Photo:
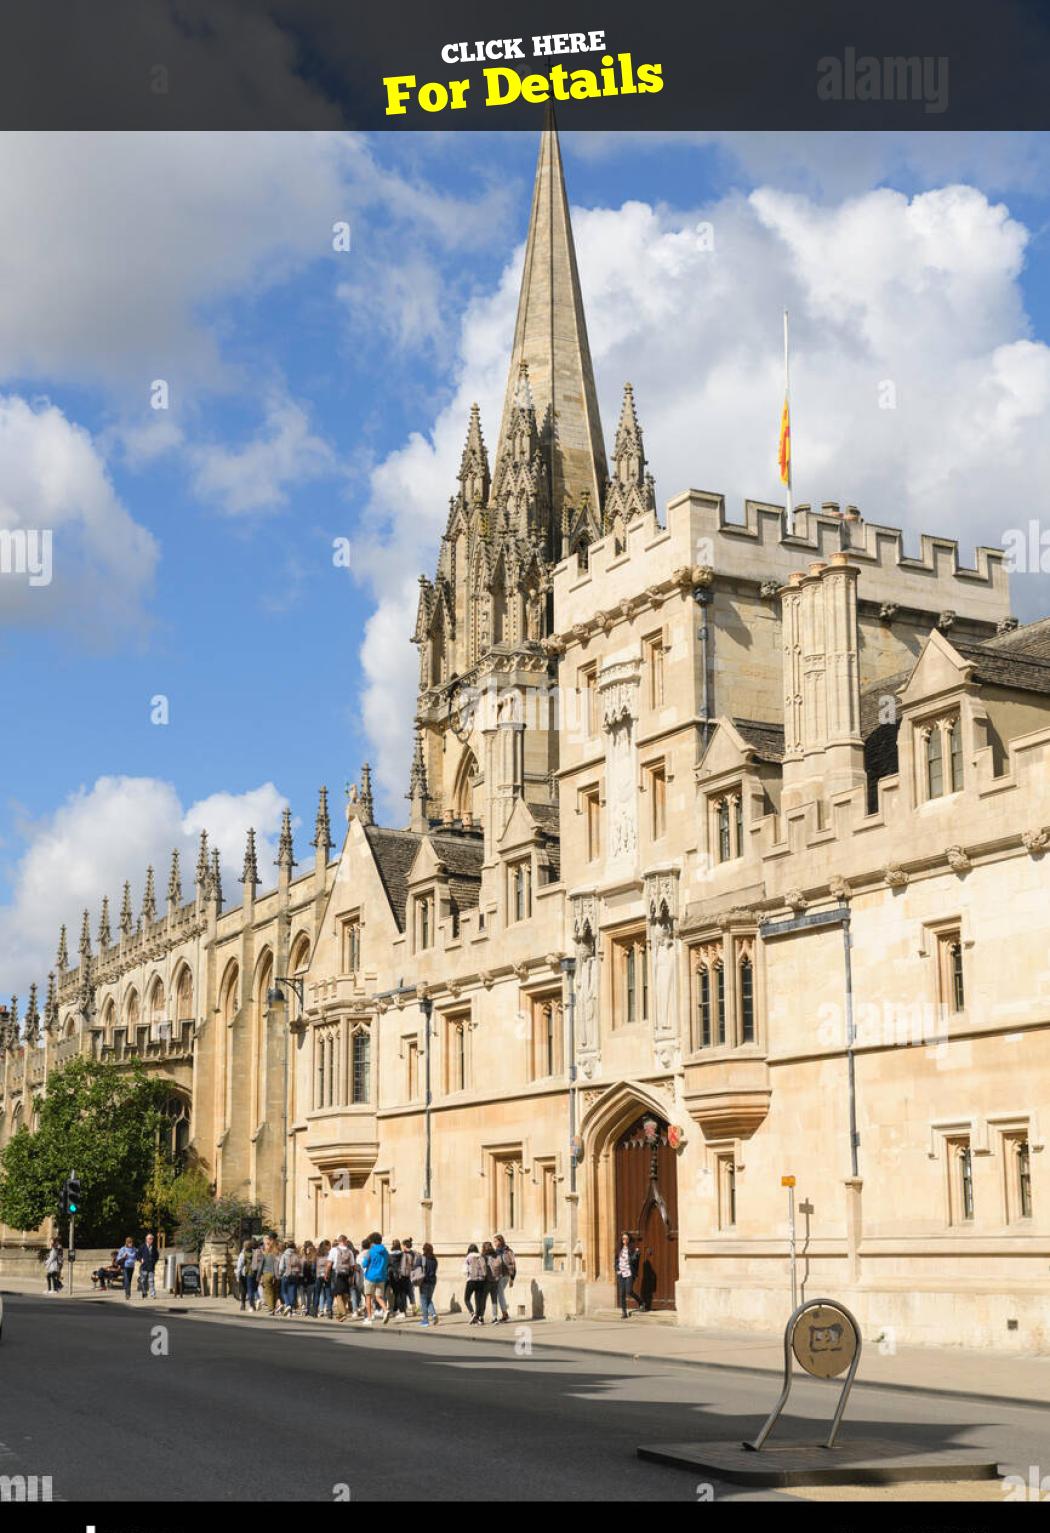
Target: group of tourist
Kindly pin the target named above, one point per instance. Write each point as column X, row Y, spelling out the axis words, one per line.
column 122, row 1264
column 335, row 1280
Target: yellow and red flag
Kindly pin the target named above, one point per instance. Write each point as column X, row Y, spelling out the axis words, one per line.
column 784, row 446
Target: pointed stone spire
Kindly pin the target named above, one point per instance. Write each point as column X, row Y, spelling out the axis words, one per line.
column 12, row 1019
column 201, row 875
column 127, row 918
column 149, row 899
column 51, row 1005
column 32, row 1023
column 62, row 959
column 285, row 849
column 366, row 813
column 322, row 828
column 418, row 791
column 105, row 937
column 550, row 334
column 215, row 881
column 628, row 454
column 474, row 478
column 85, row 937
column 250, row 874
column 174, row 881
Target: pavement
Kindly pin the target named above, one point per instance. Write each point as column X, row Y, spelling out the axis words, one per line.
column 189, row 1400
column 951, row 1371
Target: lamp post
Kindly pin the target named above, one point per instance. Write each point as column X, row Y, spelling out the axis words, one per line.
column 275, row 997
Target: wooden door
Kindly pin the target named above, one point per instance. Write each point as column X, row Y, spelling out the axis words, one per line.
column 647, row 1207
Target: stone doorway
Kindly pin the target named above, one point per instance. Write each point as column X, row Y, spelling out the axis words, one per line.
column 647, row 1207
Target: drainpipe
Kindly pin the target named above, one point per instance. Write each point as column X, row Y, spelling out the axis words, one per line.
column 568, row 968
column 426, row 1006
column 854, row 1137
column 702, row 597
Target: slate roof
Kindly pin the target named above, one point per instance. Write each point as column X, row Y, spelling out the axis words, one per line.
column 1020, row 659
column 766, row 740
column 462, row 854
column 394, row 852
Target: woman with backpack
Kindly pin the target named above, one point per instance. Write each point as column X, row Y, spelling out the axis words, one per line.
column 243, row 1273
column 397, row 1297
column 427, row 1284
column 477, row 1284
column 290, row 1272
column 493, row 1267
column 322, row 1296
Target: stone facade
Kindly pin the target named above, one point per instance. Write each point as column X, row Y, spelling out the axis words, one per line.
column 727, row 848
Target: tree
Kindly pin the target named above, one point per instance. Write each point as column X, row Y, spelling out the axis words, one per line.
column 102, row 1120
column 224, row 1217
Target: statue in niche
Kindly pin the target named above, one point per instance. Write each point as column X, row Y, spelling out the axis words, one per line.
column 664, row 974
column 586, row 988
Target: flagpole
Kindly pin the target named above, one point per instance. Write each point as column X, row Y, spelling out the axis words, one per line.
column 790, row 509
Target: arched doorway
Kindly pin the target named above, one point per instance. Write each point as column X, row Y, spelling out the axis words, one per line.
column 646, row 1180
column 621, row 1191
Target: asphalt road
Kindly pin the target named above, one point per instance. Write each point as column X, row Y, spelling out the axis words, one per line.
column 253, row 1409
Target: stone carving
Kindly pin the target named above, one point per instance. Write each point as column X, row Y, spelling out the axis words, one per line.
column 840, row 887
column 895, row 876
column 1007, row 625
column 1036, row 841
column 796, row 900
column 585, row 927
column 958, row 860
column 769, row 589
column 888, row 611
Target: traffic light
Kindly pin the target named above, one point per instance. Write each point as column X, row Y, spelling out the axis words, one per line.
column 73, row 1195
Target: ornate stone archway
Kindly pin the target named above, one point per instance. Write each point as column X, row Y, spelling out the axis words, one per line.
column 608, row 1114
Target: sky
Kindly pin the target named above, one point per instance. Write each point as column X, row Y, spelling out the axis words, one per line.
column 235, row 374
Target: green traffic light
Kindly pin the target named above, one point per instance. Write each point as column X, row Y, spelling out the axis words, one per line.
column 72, row 1208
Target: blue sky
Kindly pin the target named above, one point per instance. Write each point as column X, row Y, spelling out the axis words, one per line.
column 318, row 394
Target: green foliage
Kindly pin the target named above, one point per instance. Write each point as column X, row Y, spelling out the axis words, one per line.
column 102, row 1121
column 167, row 1190
column 201, row 1217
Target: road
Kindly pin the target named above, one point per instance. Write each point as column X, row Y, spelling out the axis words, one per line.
column 127, row 1402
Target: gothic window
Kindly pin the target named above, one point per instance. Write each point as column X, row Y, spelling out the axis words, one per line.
column 520, row 890
column 424, row 909
column 351, row 929
column 327, row 1092
column 726, row 1190
column 934, row 764
column 456, row 1052
column 657, row 776
column 709, row 1020
column 508, row 1179
column 178, row 1131
column 583, row 549
column 960, row 1181
column 951, row 976
column 654, row 656
column 631, row 978
column 746, row 998
column 184, row 996
column 955, row 755
column 361, row 1071
column 546, row 1050
column 727, row 812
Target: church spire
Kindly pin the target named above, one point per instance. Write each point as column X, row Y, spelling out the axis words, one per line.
column 250, row 872
column 62, row 959
column 418, row 793
column 127, row 919
column 200, row 877
column 105, row 938
column 174, row 881
column 474, row 477
column 149, row 899
column 550, row 335
column 285, row 848
column 85, row 937
column 322, row 827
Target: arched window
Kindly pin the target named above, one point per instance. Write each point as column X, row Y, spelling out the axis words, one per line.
column 724, row 844
column 362, row 1066
column 720, row 1000
column 955, row 755
column 703, row 1007
column 934, row 763
column 746, row 990
column 178, row 1115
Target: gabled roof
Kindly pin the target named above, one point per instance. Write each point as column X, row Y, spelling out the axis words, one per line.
column 766, row 740
column 394, row 852
column 1020, row 659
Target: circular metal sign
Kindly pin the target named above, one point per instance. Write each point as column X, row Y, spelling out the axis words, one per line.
column 824, row 1341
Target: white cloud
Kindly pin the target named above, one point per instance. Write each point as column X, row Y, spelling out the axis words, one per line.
column 256, row 477
column 54, row 481
column 110, row 832
column 922, row 293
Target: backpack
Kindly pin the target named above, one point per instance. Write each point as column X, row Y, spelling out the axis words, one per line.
column 340, row 1258
column 294, row 1265
column 408, row 1263
column 510, row 1266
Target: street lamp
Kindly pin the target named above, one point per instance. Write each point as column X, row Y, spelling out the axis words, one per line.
column 568, row 968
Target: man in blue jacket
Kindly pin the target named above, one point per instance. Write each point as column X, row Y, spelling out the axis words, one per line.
column 375, row 1261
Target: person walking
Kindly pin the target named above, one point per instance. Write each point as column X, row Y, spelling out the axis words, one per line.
column 492, row 1268
column 309, row 1273
column 357, row 1286
column 508, row 1268
column 397, row 1300
column 53, row 1266
column 341, row 1262
column 468, row 1290
column 376, row 1267
column 626, row 1272
column 477, row 1284
column 290, row 1272
column 268, row 1278
column 415, row 1273
column 242, row 1271
column 428, row 1269
column 149, row 1255
column 127, row 1256
column 322, row 1301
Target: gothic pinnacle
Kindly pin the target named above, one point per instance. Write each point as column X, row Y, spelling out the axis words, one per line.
column 127, row 918
column 201, row 875
column 50, row 1005
column 250, row 873
column 175, row 880
column 285, row 849
column 322, row 828
column 105, row 937
column 32, row 1022
column 366, row 813
column 215, row 884
column 62, row 959
column 85, row 936
column 149, row 900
